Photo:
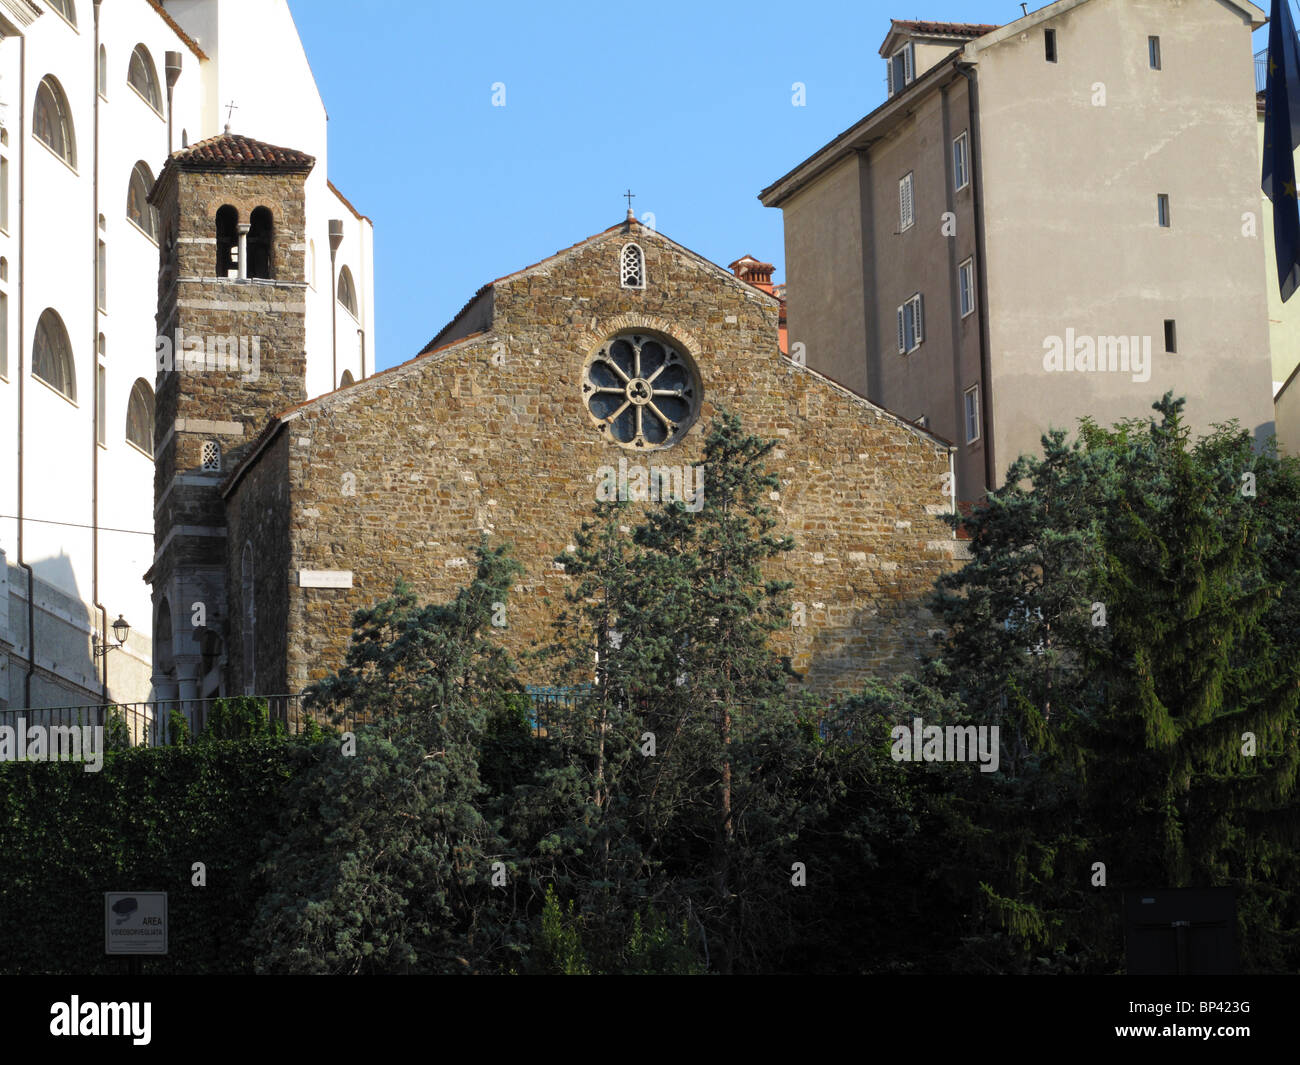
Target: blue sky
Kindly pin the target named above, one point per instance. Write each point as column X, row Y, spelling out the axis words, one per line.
column 688, row 104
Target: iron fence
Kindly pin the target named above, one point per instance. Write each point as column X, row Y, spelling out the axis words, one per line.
column 156, row 723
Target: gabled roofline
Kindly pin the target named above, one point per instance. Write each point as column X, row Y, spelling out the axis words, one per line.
column 1060, row 7
column 863, row 133
column 278, row 421
column 641, row 230
column 911, row 28
column 857, row 137
column 347, row 203
column 858, row 397
column 189, row 41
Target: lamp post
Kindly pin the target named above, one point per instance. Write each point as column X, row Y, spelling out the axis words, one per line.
column 121, row 630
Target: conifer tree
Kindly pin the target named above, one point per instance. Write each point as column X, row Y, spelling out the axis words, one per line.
column 384, row 859
column 1116, row 620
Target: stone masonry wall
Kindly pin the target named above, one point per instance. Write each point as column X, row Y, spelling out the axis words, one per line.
column 252, row 337
column 262, row 517
column 401, row 473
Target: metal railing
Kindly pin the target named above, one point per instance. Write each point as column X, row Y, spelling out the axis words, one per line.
column 1261, row 70
column 551, row 704
column 153, row 724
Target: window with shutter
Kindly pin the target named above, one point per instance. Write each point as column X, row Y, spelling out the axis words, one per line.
column 919, row 300
column 972, row 415
column 902, row 341
column 906, row 207
column 960, row 162
column 966, row 284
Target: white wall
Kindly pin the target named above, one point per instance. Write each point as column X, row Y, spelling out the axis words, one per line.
column 268, row 76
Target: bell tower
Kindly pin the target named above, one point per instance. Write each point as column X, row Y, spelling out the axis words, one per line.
column 231, row 352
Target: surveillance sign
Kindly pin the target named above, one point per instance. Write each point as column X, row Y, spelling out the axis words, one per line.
column 135, row 922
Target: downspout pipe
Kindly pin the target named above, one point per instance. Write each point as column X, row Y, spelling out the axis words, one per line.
column 173, row 66
column 96, row 428
column 22, row 362
column 968, row 71
column 336, row 238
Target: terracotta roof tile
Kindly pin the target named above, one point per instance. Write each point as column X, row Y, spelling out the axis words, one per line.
column 189, row 41
column 945, row 29
column 230, row 150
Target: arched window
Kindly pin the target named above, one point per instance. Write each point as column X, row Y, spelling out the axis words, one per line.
column 632, row 266
column 52, row 120
column 52, row 355
column 227, row 240
column 142, row 76
column 101, row 72
column 138, row 208
column 211, row 457
column 261, row 243
column 347, row 291
column 139, row 416
column 346, row 379
column 249, row 604
column 66, row 9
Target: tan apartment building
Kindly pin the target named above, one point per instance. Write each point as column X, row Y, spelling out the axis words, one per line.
column 1043, row 220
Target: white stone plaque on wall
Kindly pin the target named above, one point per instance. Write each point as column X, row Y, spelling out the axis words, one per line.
column 324, row 578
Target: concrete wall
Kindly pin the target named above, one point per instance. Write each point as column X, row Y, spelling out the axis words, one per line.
column 1071, row 179
column 490, row 436
column 924, row 259
column 824, row 270
column 1286, row 409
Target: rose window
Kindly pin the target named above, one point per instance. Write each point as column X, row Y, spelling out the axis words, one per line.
column 640, row 391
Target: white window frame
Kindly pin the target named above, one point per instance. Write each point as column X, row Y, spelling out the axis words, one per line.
column 971, row 412
column 906, row 202
column 634, row 250
column 961, row 161
column 966, row 287
column 908, row 52
column 912, row 309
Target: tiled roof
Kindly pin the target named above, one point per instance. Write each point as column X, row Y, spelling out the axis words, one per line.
column 190, row 43
column 230, row 150
column 945, row 29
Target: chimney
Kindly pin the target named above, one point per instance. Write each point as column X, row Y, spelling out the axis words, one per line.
column 758, row 274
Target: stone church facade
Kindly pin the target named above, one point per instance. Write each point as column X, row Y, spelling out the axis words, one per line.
column 621, row 347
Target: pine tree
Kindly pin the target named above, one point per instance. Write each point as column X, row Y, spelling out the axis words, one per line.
column 384, row 859
column 1116, row 620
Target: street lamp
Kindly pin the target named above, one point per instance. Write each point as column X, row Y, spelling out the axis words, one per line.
column 121, row 630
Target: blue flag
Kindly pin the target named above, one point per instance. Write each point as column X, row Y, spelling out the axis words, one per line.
column 1281, row 134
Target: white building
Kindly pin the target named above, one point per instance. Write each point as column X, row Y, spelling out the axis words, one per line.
column 93, row 97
